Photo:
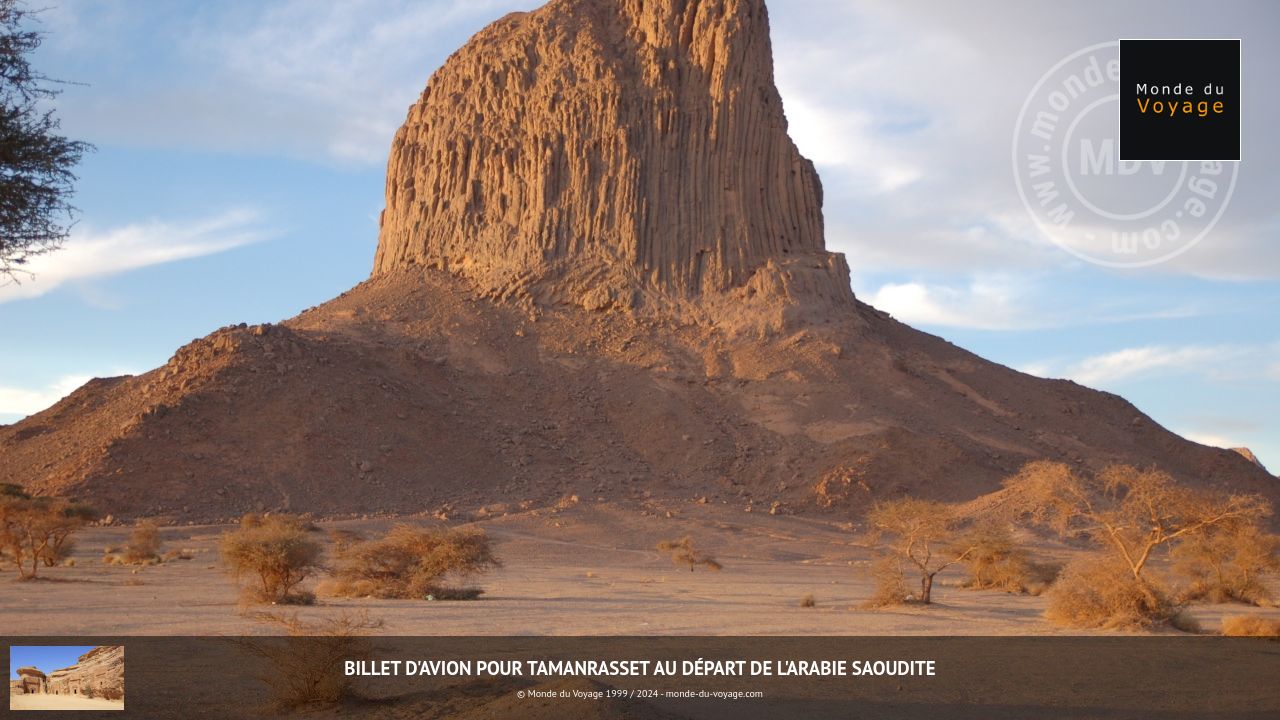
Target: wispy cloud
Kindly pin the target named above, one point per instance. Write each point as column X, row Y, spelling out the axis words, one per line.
column 320, row 81
column 90, row 253
column 17, row 402
column 1004, row 302
column 1130, row 362
column 1212, row 362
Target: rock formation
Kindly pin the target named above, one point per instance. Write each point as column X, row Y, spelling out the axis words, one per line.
column 97, row 673
column 1247, row 454
column 30, row 681
column 601, row 272
column 614, row 155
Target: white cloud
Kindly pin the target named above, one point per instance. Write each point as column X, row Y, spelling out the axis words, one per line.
column 89, row 253
column 1218, row 362
column 21, row 402
column 984, row 304
column 1003, row 302
column 1125, row 364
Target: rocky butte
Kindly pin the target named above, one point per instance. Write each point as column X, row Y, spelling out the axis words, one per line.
column 601, row 272
column 629, row 155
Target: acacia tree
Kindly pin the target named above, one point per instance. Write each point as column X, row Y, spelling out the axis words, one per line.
column 1131, row 511
column 73, row 517
column 37, row 530
column 1229, row 563
column 36, row 178
column 922, row 534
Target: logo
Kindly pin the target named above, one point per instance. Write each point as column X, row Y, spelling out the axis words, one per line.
column 1083, row 196
column 1180, row 99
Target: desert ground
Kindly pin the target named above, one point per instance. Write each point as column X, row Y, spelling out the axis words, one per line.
column 62, row 702
column 588, row 568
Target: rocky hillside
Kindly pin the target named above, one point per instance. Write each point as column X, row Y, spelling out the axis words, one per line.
column 415, row 392
column 601, row 273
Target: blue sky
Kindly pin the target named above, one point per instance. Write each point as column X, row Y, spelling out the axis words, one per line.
column 242, row 145
column 45, row 657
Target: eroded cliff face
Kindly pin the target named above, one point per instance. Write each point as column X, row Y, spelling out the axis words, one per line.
column 97, row 673
column 614, row 154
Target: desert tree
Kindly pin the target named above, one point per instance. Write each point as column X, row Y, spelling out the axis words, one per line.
column 682, row 552
column 1132, row 511
column 412, row 563
column 275, row 553
column 1231, row 562
column 74, row 516
column 37, row 531
column 36, row 162
column 919, row 535
column 996, row 561
column 1129, row 513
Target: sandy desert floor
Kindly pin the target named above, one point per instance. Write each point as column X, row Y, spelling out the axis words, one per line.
column 589, row 569
column 62, row 702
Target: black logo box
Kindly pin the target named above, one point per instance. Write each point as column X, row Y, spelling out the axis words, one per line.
column 1185, row 65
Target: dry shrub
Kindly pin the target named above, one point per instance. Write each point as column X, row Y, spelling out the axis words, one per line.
column 343, row 539
column 683, row 552
column 1250, row 626
column 890, row 584
column 808, row 601
column 143, row 545
column 275, row 554
column 412, row 562
column 306, row 669
column 1098, row 592
column 1229, row 564
column 995, row 562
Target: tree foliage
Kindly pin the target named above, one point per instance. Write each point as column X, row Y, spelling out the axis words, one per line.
column 36, row 162
column 1129, row 514
column 922, row 535
column 413, row 563
column 1229, row 564
column 275, row 554
column 1130, row 511
column 37, row 531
